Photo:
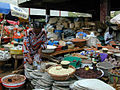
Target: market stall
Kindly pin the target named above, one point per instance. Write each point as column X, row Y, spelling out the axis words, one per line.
column 73, row 54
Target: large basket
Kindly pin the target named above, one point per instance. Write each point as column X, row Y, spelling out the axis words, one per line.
column 12, row 51
column 61, row 77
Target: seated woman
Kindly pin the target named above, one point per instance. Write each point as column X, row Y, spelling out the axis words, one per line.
column 108, row 36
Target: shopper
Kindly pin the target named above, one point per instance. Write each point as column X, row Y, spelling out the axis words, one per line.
column 34, row 41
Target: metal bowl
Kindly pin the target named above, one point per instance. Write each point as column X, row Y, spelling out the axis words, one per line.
column 92, row 78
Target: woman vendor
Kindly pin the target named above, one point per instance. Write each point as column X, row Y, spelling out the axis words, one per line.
column 34, row 41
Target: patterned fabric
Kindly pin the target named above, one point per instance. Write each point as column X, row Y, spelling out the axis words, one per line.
column 33, row 43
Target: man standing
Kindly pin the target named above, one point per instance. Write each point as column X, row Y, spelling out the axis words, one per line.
column 34, row 41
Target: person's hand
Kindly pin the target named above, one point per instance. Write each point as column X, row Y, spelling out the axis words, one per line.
column 112, row 37
column 30, row 61
column 108, row 39
column 40, row 51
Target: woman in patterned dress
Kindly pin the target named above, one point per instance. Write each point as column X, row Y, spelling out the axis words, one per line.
column 34, row 41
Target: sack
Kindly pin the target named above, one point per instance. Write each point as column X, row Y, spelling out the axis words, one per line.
column 92, row 41
column 72, row 25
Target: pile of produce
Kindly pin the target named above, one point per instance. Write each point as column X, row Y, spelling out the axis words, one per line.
column 78, row 40
column 82, row 73
column 78, row 55
column 14, row 79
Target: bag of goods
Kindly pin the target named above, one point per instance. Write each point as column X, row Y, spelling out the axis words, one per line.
column 92, row 41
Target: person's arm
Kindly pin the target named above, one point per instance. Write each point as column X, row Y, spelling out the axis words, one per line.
column 43, row 43
column 27, row 50
column 106, row 37
column 44, row 40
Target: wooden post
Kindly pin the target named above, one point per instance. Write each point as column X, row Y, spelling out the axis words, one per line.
column 16, row 62
column 104, row 10
column 47, row 14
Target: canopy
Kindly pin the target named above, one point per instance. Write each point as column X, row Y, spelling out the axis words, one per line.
column 6, row 8
column 116, row 19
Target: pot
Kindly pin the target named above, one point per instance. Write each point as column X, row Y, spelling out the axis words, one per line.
column 65, row 64
column 104, row 66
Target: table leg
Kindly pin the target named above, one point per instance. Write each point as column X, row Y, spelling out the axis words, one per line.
column 16, row 62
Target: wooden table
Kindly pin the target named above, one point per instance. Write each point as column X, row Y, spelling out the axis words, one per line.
column 17, row 57
column 66, row 51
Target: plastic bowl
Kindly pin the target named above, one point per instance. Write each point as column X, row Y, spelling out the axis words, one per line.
column 13, row 85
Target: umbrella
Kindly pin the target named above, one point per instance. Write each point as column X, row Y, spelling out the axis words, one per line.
column 6, row 8
column 116, row 19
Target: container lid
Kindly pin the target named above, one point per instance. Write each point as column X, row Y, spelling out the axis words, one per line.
column 65, row 62
column 59, row 71
column 51, row 47
column 69, row 43
column 104, row 49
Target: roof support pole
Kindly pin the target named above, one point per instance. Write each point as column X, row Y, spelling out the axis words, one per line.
column 47, row 14
column 104, row 10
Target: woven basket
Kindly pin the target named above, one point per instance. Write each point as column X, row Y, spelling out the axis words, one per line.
column 61, row 77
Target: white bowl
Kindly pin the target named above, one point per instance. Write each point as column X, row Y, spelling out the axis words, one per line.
column 92, row 84
column 51, row 47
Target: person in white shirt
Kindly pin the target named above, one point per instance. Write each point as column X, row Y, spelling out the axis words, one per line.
column 108, row 36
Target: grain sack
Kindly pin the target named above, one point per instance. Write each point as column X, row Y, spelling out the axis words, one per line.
column 77, row 24
column 53, row 20
column 71, row 25
column 59, row 27
column 65, row 24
